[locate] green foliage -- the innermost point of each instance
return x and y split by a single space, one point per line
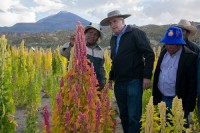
23 73
31 123
7 109
196 126
21 78
58 63
107 64
150 119
153 119
145 99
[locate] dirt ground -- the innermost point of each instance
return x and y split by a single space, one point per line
21 115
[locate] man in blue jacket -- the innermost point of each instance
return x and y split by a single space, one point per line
132 65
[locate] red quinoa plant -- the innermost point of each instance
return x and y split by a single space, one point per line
79 106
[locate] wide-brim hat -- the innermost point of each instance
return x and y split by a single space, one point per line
112 14
97 27
173 36
187 26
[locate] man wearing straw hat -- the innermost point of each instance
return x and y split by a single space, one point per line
132 65
176 72
95 53
189 31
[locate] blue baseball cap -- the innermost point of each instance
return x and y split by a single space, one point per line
173 35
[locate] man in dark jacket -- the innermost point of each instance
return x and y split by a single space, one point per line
132 65
176 72
189 31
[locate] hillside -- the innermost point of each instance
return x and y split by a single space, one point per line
154 32
53 39
56 29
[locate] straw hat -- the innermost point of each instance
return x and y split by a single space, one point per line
187 26
97 27
112 14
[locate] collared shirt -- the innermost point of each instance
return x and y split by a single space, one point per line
95 51
118 38
168 72
96 56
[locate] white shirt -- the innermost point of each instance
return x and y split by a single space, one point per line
168 72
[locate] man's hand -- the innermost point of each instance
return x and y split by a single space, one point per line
110 82
146 83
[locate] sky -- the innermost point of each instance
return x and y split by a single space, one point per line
142 12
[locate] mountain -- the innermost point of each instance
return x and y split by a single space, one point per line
56 30
61 21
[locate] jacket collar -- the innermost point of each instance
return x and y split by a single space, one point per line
96 46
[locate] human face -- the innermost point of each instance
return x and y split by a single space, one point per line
117 24
172 48
91 36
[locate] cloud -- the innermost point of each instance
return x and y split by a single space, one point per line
1 11
13 11
170 11
143 11
95 11
48 6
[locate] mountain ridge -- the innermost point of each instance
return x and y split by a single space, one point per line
61 21
60 35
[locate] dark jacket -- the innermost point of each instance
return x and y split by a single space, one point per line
134 51
96 56
192 46
195 48
186 80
